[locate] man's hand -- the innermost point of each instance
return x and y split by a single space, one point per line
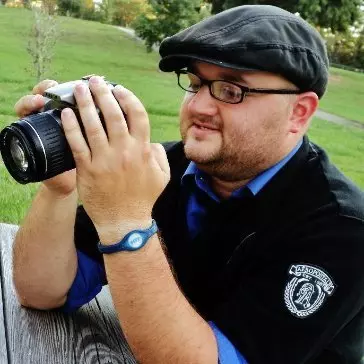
120 174
119 177
64 184
30 104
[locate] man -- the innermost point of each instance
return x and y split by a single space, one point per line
263 235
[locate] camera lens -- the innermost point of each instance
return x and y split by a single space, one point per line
18 154
35 148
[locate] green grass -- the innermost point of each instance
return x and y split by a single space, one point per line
83 48
88 47
345 94
345 146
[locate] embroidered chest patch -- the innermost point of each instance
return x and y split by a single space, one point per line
307 289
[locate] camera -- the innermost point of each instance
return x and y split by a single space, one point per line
35 148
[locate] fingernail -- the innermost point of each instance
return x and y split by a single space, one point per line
66 112
80 89
95 80
36 100
118 90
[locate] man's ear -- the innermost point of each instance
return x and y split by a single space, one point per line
303 109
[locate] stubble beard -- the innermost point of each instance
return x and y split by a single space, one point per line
227 161
242 155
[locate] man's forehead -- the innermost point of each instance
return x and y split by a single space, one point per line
247 77
208 69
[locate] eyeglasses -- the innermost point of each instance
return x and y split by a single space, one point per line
226 91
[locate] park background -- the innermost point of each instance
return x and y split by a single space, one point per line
88 40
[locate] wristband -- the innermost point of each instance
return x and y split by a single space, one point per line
133 240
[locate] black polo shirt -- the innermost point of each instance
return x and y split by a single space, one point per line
280 273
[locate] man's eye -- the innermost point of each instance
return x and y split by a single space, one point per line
194 86
230 92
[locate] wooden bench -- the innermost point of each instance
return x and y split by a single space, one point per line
91 335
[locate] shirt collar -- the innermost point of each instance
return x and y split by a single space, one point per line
255 185
200 179
258 182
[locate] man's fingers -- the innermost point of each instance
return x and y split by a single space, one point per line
28 105
110 109
96 135
160 155
80 150
43 85
136 115
32 103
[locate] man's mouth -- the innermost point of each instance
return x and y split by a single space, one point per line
202 131
204 126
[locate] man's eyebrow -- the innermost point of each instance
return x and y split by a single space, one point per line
226 76
234 77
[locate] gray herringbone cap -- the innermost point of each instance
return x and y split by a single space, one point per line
251 38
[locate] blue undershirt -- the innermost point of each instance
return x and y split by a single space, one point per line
91 274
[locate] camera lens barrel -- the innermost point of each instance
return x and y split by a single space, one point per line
35 148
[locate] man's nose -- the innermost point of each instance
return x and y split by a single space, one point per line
202 102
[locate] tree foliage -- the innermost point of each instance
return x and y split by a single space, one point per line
107 9
346 49
337 15
43 37
359 51
49 6
166 17
126 11
69 7
84 9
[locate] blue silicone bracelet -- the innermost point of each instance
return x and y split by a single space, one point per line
133 240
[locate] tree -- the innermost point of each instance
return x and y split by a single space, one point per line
166 17
88 11
126 11
220 5
217 6
43 37
341 48
106 9
49 6
337 15
359 51
69 7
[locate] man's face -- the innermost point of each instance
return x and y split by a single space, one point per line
236 141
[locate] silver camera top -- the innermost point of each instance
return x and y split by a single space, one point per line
63 93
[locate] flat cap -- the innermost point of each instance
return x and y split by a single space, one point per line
253 38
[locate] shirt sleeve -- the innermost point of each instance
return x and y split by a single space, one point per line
90 278
227 352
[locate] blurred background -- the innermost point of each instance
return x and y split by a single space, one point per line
67 39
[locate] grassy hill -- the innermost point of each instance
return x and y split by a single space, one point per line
88 47
84 48
345 95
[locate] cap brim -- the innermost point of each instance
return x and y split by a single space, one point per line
179 61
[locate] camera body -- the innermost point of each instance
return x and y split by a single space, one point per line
35 148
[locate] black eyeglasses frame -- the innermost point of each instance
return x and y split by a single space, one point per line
245 90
